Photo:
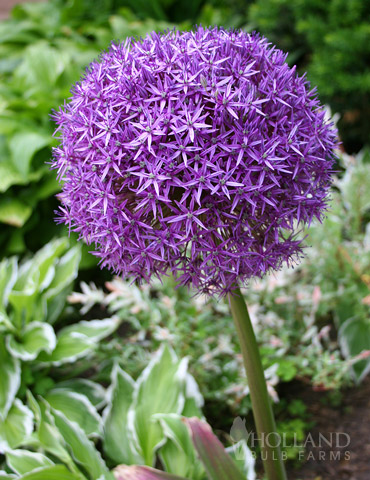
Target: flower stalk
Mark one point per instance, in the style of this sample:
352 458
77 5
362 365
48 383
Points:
261 405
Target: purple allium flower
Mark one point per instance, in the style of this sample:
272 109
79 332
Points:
197 153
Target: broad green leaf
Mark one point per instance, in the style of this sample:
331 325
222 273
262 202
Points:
160 389
35 337
354 338
79 339
70 347
23 145
65 272
10 380
178 454
243 458
54 472
92 390
117 439
82 449
217 463
24 461
14 212
77 408
16 427
9 176
134 472
8 276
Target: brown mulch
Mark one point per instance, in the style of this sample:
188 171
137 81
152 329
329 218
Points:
349 422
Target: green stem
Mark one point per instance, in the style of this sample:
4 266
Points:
262 410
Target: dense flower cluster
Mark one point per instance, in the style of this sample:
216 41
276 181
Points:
193 153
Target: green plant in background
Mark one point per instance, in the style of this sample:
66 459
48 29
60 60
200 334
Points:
330 40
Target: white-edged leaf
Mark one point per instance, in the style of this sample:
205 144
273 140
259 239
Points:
159 389
178 454
81 448
244 459
65 272
354 338
10 380
35 337
117 439
24 461
6 476
94 330
54 472
92 390
77 408
8 276
16 427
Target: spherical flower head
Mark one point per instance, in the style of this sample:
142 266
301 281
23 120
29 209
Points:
198 153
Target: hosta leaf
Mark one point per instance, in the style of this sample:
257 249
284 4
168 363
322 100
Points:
354 338
14 212
134 472
82 449
217 463
6 476
243 458
160 389
178 454
24 461
77 408
23 146
35 337
79 339
65 272
8 276
16 427
55 472
117 436
92 390
10 380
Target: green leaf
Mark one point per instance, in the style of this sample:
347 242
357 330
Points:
79 339
14 212
9 176
35 337
117 439
8 276
6 476
354 338
16 427
55 472
92 390
10 380
134 472
178 454
217 463
160 389
81 448
65 272
24 461
23 146
243 458
77 408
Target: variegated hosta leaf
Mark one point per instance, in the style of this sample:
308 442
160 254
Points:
10 379
8 276
54 472
79 339
35 337
16 427
217 463
6 476
160 389
117 441
92 390
82 449
77 408
134 472
24 461
244 459
178 454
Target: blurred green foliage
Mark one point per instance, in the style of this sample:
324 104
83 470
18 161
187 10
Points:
331 41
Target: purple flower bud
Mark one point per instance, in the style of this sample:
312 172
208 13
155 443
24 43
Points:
197 153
